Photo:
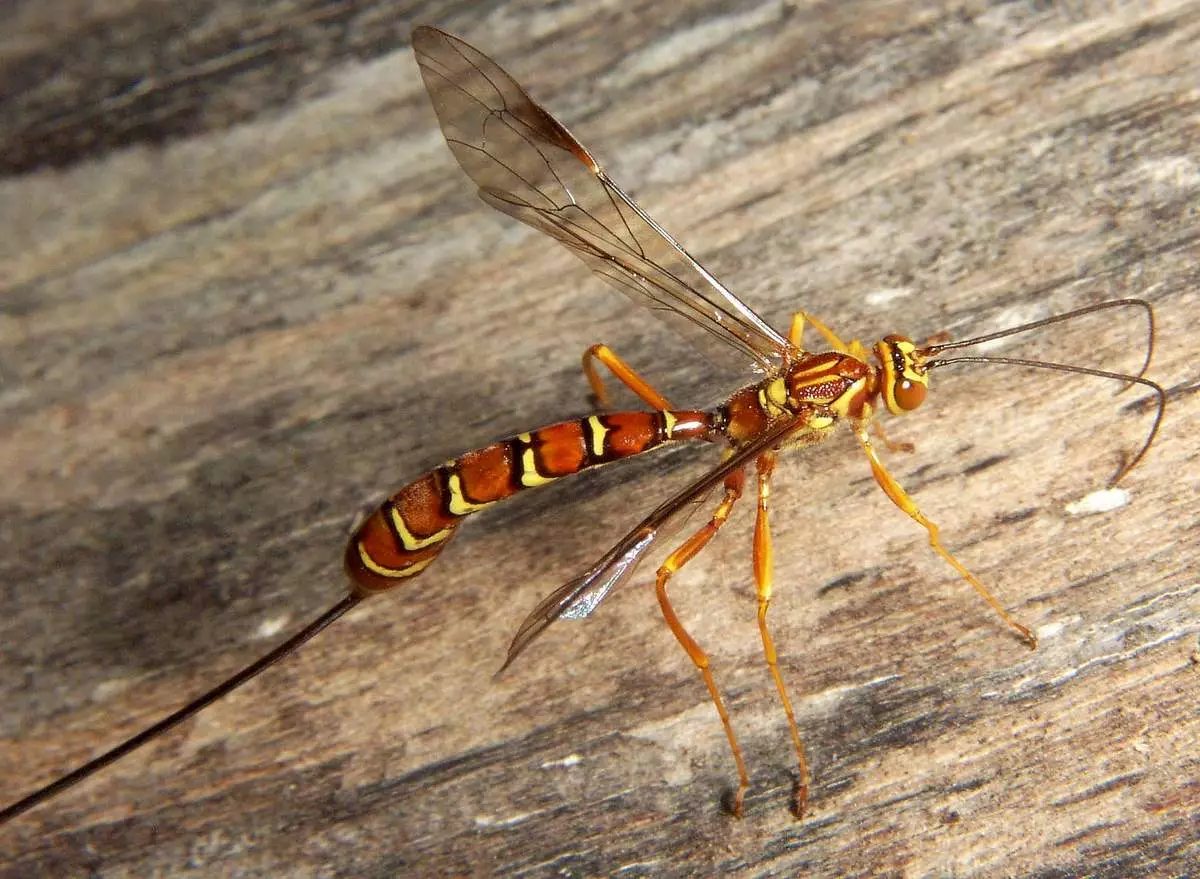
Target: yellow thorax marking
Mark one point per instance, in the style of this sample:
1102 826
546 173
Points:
374 566
773 397
820 369
813 378
842 404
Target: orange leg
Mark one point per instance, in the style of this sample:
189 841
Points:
830 337
676 560
764 581
891 444
623 372
901 499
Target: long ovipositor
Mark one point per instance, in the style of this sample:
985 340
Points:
408 531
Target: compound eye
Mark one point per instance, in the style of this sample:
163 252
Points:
908 394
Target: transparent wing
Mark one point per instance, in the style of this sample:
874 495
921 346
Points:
529 166
579 597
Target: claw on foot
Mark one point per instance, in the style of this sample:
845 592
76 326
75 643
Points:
799 800
733 802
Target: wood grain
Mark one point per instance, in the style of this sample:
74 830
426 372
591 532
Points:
244 288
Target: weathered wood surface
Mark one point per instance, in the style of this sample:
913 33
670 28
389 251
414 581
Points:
244 287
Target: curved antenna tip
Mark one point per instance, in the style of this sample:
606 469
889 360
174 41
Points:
1128 462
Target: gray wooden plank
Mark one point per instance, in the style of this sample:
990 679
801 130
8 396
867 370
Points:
245 288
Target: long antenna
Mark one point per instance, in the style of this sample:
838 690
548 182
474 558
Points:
1127 463
1059 318
1139 378
175 718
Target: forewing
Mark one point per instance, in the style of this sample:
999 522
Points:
579 597
528 165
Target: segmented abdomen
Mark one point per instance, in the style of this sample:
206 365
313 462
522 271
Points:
402 537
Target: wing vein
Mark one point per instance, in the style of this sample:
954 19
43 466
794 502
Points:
528 165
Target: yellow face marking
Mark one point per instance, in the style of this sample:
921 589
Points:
669 422
409 540
597 431
908 349
395 573
904 388
530 478
820 422
458 504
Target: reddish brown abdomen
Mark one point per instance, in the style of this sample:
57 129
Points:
410 529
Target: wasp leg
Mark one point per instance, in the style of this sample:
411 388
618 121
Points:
676 560
623 372
901 499
797 330
764 582
891 444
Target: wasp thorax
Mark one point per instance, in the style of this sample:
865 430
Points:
905 380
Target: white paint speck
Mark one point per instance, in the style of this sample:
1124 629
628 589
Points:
1049 630
111 687
1103 501
887 295
565 763
1179 172
1039 146
493 821
269 628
